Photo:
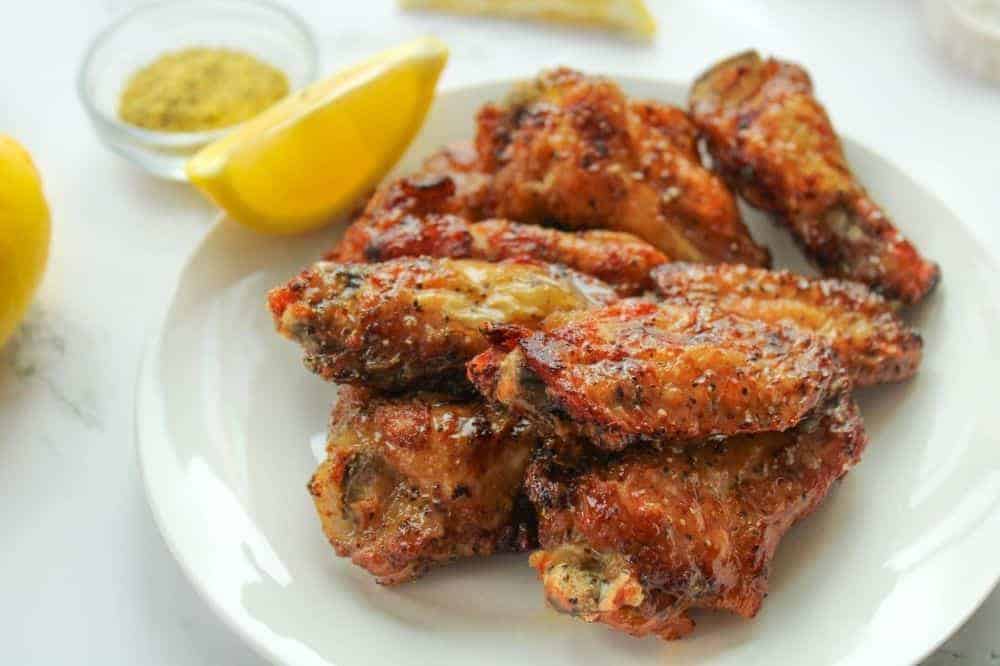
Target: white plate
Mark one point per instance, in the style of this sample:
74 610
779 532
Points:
230 425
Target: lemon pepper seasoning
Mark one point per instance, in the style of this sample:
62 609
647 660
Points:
199 89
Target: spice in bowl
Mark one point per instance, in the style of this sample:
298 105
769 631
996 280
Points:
198 89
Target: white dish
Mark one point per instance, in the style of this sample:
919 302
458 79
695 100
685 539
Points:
969 32
229 426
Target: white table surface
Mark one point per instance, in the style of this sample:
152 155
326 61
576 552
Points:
84 575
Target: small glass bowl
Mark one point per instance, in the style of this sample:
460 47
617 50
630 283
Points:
261 28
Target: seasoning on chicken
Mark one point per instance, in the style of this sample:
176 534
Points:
774 142
420 480
635 540
637 372
410 321
873 342
619 259
449 182
573 151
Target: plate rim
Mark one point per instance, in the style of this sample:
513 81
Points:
145 381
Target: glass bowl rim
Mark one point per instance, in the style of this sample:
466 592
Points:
179 139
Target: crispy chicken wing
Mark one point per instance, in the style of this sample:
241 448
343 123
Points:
396 324
773 141
619 259
449 182
573 151
873 342
640 372
420 480
635 540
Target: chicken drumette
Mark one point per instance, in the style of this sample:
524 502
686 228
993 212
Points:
773 141
417 481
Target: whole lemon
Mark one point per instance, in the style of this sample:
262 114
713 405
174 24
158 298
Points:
24 233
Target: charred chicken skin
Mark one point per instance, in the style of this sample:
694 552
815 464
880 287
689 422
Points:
635 540
524 368
873 342
417 481
638 372
619 259
449 182
410 321
773 141
573 151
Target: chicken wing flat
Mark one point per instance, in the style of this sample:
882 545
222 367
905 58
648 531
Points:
637 372
619 259
635 540
773 141
396 324
418 481
449 182
573 151
873 342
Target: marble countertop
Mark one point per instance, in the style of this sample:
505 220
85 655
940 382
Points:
85 576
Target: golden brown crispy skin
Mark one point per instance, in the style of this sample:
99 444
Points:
573 151
420 480
619 259
449 182
874 344
640 372
460 162
636 540
403 322
773 141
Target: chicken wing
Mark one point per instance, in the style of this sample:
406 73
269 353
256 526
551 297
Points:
619 259
873 342
636 540
421 480
396 324
449 182
573 151
639 372
773 141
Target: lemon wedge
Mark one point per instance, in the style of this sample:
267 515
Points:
628 16
312 155
24 233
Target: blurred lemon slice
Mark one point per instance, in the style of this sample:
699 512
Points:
24 233
629 16
313 154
